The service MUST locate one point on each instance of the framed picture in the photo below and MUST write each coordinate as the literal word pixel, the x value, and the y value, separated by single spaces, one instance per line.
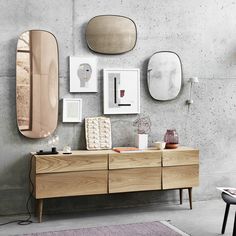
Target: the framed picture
pixel 83 74
pixel 121 91
pixel 72 110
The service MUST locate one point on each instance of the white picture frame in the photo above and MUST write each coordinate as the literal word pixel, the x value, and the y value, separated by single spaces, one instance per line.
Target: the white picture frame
pixel 72 110
pixel 83 74
pixel 121 91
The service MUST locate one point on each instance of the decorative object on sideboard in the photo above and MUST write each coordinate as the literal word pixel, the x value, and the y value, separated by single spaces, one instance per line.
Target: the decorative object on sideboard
pixel 143 124
pixel 111 34
pixel 67 149
pixel 37 83
pixel 72 110
pixel 121 91
pixel 160 145
pixel 52 152
pixel 192 81
pixel 171 138
pixel 53 143
pixel 164 75
pixel 98 133
pixel 83 74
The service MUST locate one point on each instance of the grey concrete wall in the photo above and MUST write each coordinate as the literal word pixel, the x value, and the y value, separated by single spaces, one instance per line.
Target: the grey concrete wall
pixel 201 32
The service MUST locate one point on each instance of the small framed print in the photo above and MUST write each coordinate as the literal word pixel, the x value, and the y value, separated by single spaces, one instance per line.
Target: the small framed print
pixel 83 74
pixel 121 91
pixel 72 110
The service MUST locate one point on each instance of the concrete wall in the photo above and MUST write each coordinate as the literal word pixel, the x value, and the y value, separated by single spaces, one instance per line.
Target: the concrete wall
pixel 201 32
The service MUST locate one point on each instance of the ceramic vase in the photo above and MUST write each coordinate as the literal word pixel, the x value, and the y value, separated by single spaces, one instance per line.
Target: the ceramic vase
pixel 141 141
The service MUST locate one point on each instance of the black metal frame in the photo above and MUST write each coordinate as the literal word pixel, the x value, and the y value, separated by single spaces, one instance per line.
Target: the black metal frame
pixel 182 80
pixel 225 220
pixel 234 230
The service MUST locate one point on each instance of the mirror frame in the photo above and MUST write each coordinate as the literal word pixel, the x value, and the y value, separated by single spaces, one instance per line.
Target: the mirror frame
pixel 89 46
pixel 31 92
pixel 182 82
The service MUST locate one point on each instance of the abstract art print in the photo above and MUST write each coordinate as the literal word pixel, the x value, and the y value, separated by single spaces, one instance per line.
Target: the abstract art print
pixel 83 74
pixel 121 91
pixel 72 110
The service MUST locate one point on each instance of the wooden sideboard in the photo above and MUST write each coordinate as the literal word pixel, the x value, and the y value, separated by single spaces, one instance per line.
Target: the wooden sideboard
pixel 107 172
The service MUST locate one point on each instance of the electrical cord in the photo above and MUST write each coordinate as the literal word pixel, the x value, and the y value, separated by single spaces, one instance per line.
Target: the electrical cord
pixel 28 220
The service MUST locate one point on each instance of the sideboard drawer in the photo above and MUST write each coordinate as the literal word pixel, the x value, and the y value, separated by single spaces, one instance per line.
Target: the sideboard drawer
pixel 131 180
pixel 180 176
pixel 179 158
pixel 67 163
pixel 134 160
pixel 71 184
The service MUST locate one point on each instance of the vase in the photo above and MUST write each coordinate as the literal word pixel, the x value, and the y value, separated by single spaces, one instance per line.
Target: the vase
pixel 171 138
pixel 141 141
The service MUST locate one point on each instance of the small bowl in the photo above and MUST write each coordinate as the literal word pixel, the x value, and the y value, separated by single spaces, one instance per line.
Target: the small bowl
pixel 160 145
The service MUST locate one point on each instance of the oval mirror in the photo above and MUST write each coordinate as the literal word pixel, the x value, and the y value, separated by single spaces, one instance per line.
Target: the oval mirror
pixel 164 76
pixel 37 83
pixel 110 34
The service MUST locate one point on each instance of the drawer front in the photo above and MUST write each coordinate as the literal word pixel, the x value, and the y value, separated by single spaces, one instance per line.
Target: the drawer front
pixel 71 184
pixel 177 158
pixel 134 160
pixel 55 164
pixel 180 176
pixel 131 180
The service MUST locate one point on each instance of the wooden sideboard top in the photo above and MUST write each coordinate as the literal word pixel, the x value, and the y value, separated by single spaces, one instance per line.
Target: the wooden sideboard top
pixel 107 152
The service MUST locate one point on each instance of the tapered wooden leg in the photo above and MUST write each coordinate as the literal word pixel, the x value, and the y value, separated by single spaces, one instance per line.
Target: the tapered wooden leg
pixel 234 230
pixel 225 218
pixel 36 208
pixel 181 196
pixel 39 209
pixel 190 198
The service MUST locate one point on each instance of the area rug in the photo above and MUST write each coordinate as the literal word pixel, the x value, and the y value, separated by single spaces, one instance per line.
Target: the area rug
pixel 157 228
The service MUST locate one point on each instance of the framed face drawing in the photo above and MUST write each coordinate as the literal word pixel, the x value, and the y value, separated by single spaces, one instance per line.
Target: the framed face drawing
pixel 164 76
pixel 83 74
pixel 121 91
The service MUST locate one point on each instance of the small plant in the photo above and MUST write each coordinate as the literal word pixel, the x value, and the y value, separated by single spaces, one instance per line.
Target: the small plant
pixel 143 124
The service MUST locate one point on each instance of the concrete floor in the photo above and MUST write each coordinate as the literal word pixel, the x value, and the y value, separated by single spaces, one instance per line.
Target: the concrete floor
pixel 204 220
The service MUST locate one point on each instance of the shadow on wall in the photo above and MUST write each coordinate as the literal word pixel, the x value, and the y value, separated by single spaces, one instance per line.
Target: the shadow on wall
pixel 14 182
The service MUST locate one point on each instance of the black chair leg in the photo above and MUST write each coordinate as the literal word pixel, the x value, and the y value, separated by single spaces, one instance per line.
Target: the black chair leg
pixel 234 231
pixel 225 218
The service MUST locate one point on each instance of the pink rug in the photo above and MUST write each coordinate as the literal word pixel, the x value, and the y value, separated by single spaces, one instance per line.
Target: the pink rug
pixel 156 228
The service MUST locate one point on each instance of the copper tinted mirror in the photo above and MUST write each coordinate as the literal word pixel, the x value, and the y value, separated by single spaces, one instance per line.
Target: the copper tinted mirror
pixel 111 34
pixel 37 83
pixel 164 75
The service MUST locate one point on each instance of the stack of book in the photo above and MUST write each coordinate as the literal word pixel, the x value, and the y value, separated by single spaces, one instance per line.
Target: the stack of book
pixel 127 149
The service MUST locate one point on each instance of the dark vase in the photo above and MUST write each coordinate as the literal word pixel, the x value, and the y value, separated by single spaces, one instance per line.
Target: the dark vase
pixel 171 138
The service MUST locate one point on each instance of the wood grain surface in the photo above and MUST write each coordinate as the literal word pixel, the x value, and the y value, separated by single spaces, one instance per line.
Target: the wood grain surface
pixel 71 184
pixel 180 157
pixel 67 163
pixel 180 176
pixel 130 180
pixel 134 160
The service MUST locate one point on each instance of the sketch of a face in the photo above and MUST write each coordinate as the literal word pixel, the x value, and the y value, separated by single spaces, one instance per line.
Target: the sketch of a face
pixel 164 76
pixel 84 73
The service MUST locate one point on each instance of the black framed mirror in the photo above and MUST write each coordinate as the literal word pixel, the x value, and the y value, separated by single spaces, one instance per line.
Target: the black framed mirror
pixel 164 75
pixel 111 34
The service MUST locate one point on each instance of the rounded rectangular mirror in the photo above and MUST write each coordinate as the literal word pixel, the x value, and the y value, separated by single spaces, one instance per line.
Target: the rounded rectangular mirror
pixel 110 34
pixel 37 83
pixel 164 75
